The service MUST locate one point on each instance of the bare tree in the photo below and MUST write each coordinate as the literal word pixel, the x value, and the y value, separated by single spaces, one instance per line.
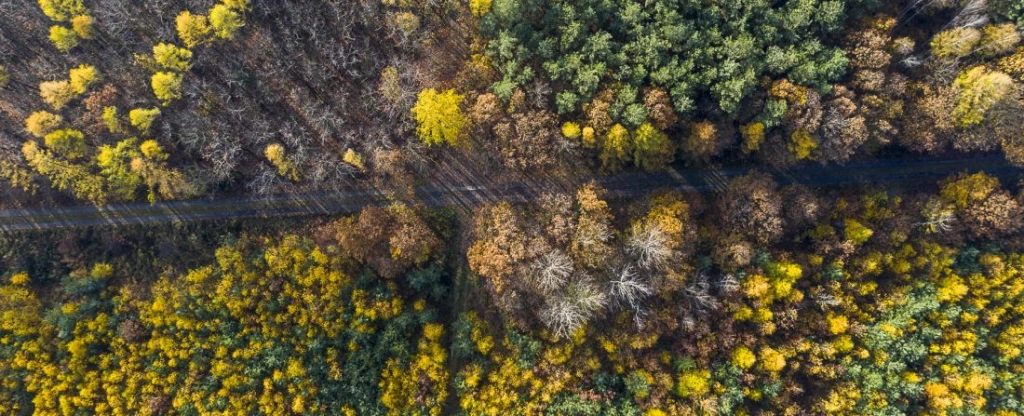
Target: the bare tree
pixel 649 245
pixel 700 296
pixel 825 300
pixel 551 271
pixel 728 284
pixel 629 288
pixel 568 311
pixel 938 216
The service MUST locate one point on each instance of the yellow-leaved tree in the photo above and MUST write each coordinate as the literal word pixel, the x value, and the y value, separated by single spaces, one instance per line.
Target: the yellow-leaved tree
pixel 978 90
pixel 225 21
pixel 193 29
pixel 41 123
pixel 62 10
pixel 171 57
pixel 439 117
pixel 63 39
pixel 166 86
pixel 83 77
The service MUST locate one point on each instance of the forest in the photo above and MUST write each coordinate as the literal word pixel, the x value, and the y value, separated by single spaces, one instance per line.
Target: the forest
pixel 589 207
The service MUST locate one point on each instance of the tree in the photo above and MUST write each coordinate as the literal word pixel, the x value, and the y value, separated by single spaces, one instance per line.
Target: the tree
pixel 412 242
pixel 63 39
pixel 659 109
pixel 551 272
pixel 616 148
pixel 238 5
pixel 856 232
pixel 84 26
pixel 527 140
pixel 166 86
pixel 406 22
pixel 998 215
pixel 939 216
pixel 275 153
pixel 56 93
pixel 354 159
pixel 115 164
pixel 479 7
pixel 40 123
pixel 929 124
pixel 802 144
pixel 163 182
pixel 171 57
pixel 843 129
pixel 499 245
pixel 193 30
pixel 591 244
pixel 439 117
pixel 5 77
pixel 142 118
pixel 999 40
pixel 955 43
pixel 574 307
pixel 571 130
pixel 67 143
pixel 390 240
pixel 978 89
pixel 649 244
pixel 224 21
pixel 65 175
pixel 732 252
pixel 391 85
pixel 652 149
pixel 83 77
pixel 985 209
pixel 1013 64
pixel 111 120
pixel 703 140
pixel 753 207
pixel 753 136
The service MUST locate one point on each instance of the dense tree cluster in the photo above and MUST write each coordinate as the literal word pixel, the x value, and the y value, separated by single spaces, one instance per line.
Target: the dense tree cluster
pixel 753 295
pixel 874 312
pixel 269 327
pixel 689 49
pixel 260 98
pixel 230 78
pixel 877 303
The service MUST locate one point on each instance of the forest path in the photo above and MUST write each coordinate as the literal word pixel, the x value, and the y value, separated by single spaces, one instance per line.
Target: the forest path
pixel 467 195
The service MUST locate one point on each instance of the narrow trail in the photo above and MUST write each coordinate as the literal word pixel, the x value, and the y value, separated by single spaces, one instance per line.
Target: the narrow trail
pixel 467 194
